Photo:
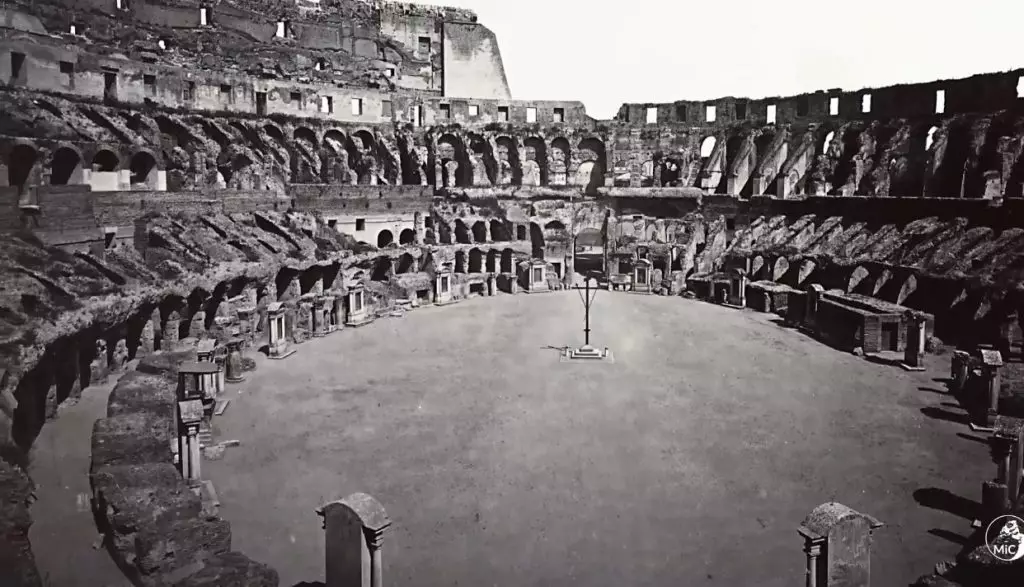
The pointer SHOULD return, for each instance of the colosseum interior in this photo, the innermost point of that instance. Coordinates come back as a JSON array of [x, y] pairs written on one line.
[[255, 253]]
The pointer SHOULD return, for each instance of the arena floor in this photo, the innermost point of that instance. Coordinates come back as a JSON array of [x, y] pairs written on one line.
[[690, 460]]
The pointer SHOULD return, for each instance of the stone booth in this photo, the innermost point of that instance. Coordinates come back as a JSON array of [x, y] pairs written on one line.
[[533, 276], [358, 311], [642, 276], [768, 296], [279, 347], [837, 542], [354, 535], [619, 269], [444, 281], [848, 321]]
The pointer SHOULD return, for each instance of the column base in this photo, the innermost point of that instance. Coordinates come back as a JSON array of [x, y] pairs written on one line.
[[279, 356], [907, 367]]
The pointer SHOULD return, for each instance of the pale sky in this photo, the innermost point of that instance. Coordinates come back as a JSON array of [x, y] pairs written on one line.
[[666, 50]]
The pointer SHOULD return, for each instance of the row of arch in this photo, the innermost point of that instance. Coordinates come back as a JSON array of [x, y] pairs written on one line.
[[473, 261], [67, 166]]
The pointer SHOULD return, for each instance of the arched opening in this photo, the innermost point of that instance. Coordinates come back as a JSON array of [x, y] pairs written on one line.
[[381, 269], [554, 225], [536, 241], [105, 161], [535, 167], [561, 155], [929, 138], [499, 232], [143, 171], [334, 140], [591, 153], [492, 261], [306, 136], [507, 257], [521, 232], [460, 261], [385, 238], [827, 143], [407, 237], [22, 161], [237, 163], [461, 233], [671, 172], [405, 264], [482, 155], [456, 170], [707, 147], [479, 232], [588, 255], [509, 169], [66, 167], [476, 261]]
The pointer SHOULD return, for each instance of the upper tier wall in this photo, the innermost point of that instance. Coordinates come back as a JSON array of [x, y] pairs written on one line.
[[989, 92]]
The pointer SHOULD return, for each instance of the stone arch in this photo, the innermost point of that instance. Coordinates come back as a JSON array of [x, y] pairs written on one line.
[[479, 231], [507, 261], [455, 168], [382, 269], [21, 164], [460, 261], [929, 138], [536, 241], [334, 141], [555, 225], [558, 165], [509, 169], [499, 231], [535, 165], [249, 134], [492, 261], [907, 290], [407, 237], [780, 268], [275, 133], [476, 260], [105, 161], [707, 147], [66, 167], [462, 236], [384, 238], [858, 277], [305, 135], [592, 149], [239, 162], [827, 142], [144, 172], [175, 131], [484, 166], [405, 264]]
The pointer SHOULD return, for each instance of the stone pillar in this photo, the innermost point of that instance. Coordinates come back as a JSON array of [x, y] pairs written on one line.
[[146, 339], [233, 365], [171, 330], [741, 295], [912, 356], [491, 286], [813, 550], [991, 362], [190, 415], [354, 529], [195, 455], [995, 494], [959, 367]]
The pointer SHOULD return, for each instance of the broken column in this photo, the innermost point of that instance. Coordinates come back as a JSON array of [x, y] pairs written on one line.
[[837, 542], [354, 531], [233, 364], [914, 352], [991, 362], [960, 365], [247, 317], [190, 416], [278, 347]]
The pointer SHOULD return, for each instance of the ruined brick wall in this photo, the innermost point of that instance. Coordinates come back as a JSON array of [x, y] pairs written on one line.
[[472, 62]]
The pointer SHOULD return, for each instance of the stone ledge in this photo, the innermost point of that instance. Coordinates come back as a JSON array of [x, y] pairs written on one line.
[[17, 563], [154, 524]]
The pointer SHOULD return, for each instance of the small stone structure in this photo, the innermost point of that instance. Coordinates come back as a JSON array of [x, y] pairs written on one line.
[[533, 276], [358, 312], [837, 542], [642, 276], [354, 534], [279, 347]]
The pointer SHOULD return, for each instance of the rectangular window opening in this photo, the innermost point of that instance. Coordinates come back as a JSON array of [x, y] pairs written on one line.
[[67, 68], [1020, 87], [204, 16], [803, 106], [940, 101], [189, 91], [741, 109], [652, 115], [17, 65], [225, 94], [446, 111], [282, 29], [531, 115], [710, 113], [390, 72], [771, 113], [73, 30], [261, 103], [360, 224], [865, 103], [424, 45], [326, 104], [296, 97], [503, 113], [386, 109], [121, 4], [357, 106], [833, 106], [474, 110], [681, 112], [110, 85], [149, 81]]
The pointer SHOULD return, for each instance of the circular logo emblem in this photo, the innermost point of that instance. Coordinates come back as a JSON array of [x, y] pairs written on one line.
[[1004, 538]]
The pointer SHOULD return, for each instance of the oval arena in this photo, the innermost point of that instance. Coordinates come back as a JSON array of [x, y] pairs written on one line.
[[293, 296]]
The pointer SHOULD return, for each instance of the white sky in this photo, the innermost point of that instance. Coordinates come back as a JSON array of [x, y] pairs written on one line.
[[605, 54]]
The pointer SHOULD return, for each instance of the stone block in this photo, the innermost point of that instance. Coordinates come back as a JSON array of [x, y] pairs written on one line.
[[17, 563], [166, 363], [166, 548], [142, 392], [131, 439], [128, 498], [231, 569]]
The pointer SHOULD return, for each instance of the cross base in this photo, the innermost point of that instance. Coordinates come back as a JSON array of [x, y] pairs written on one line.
[[587, 353]]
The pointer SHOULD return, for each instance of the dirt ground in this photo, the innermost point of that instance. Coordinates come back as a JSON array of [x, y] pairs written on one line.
[[690, 460]]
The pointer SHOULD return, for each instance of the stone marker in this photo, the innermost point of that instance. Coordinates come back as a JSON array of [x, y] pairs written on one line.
[[354, 529], [837, 541]]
